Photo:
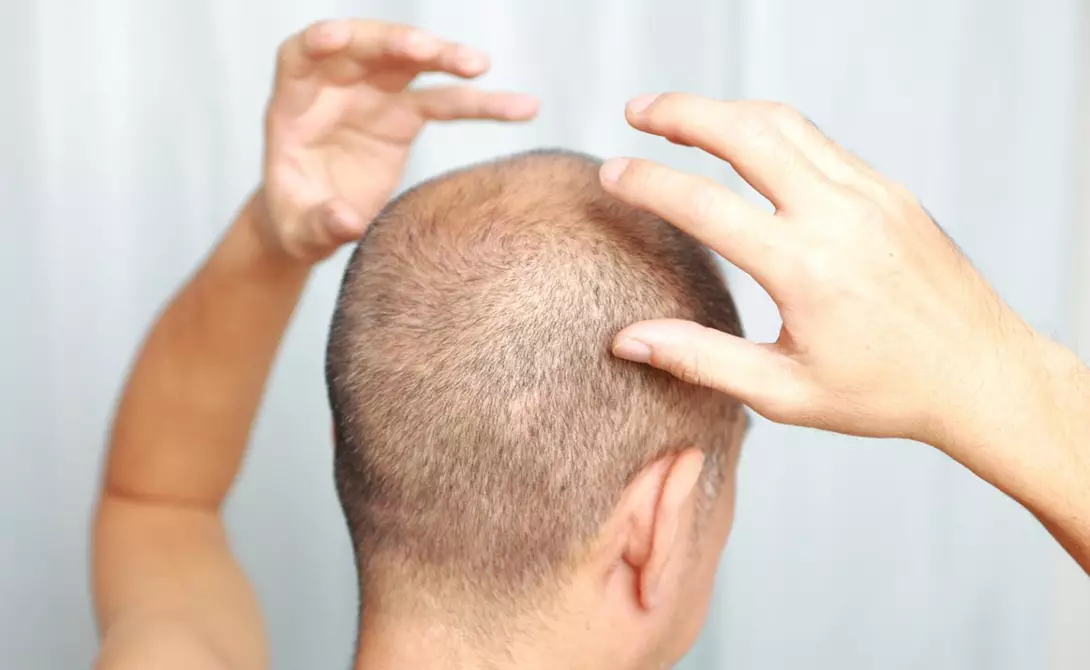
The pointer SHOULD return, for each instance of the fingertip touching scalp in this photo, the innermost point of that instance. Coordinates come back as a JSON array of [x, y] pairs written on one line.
[[484, 431]]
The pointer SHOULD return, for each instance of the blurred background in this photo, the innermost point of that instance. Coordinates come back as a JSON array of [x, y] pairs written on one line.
[[131, 130]]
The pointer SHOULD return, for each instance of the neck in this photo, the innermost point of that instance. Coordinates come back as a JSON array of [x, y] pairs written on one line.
[[425, 644]]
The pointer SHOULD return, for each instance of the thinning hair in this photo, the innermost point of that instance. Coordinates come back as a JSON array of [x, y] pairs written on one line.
[[484, 431]]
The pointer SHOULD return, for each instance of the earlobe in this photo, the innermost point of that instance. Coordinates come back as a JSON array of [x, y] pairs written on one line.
[[678, 485]]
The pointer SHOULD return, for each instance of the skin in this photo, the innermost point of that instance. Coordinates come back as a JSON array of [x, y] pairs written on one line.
[[888, 330], [637, 600], [1012, 406], [168, 591]]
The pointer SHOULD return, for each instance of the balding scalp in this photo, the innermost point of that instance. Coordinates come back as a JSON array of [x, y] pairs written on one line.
[[484, 431]]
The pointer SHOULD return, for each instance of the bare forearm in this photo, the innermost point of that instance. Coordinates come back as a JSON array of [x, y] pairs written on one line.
[[1062, 502], [186, 413], [167, 589], [1029, 435]]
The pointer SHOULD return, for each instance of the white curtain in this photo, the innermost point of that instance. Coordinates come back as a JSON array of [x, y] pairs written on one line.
[[130, 131]]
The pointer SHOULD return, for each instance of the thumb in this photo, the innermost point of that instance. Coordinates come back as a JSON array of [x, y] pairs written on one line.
[[329, 225], [755, 374]]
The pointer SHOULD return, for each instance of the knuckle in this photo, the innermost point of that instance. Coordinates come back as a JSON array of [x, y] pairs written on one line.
[[692, 368], [783, 114], [315, 27], [392, 31], [884, 194], [751, 119], [638, 178], [855, 207], [867, 212], [760, 117], [704, 202], [313, 33], [840, 198], [395, 36]]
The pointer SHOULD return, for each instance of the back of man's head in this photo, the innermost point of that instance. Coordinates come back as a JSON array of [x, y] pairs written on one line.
[[484, 431]]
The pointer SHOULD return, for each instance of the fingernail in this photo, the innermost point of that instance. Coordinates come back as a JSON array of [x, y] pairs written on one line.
[[632, 350], [640, 103], [522, 106], [612, 170]]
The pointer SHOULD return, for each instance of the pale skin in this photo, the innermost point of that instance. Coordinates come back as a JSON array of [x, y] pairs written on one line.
[[843, 243], [888, 330], [168, 592]]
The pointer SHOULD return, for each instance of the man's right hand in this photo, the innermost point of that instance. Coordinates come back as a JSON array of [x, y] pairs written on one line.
[[888, 330]]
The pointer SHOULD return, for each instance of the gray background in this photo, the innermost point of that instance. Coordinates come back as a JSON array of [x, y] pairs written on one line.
[[129, 131]]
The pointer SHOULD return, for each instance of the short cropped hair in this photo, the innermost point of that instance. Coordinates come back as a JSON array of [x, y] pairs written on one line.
[[484, 431]]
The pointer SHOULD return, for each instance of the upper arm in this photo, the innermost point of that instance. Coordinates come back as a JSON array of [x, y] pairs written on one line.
[[161, 644], [168, 591]]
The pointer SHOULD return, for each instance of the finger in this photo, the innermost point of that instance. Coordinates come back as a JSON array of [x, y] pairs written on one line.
[[299, 54], [829, 157], [745, 134], [298, 58], [363, 40], [756, 374], [415, 49], [466, 102], [364, 46], [839, 164], [348, 51], [373, 43], [737, 230]]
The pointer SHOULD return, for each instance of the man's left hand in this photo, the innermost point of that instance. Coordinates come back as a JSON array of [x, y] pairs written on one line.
[[342, 119]]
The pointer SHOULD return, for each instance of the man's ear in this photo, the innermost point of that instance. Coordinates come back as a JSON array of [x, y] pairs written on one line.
[[654, 504]]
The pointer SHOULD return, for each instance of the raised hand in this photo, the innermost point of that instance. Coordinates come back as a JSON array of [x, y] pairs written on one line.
[[342, 120], [888, 330], [886, 325]]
